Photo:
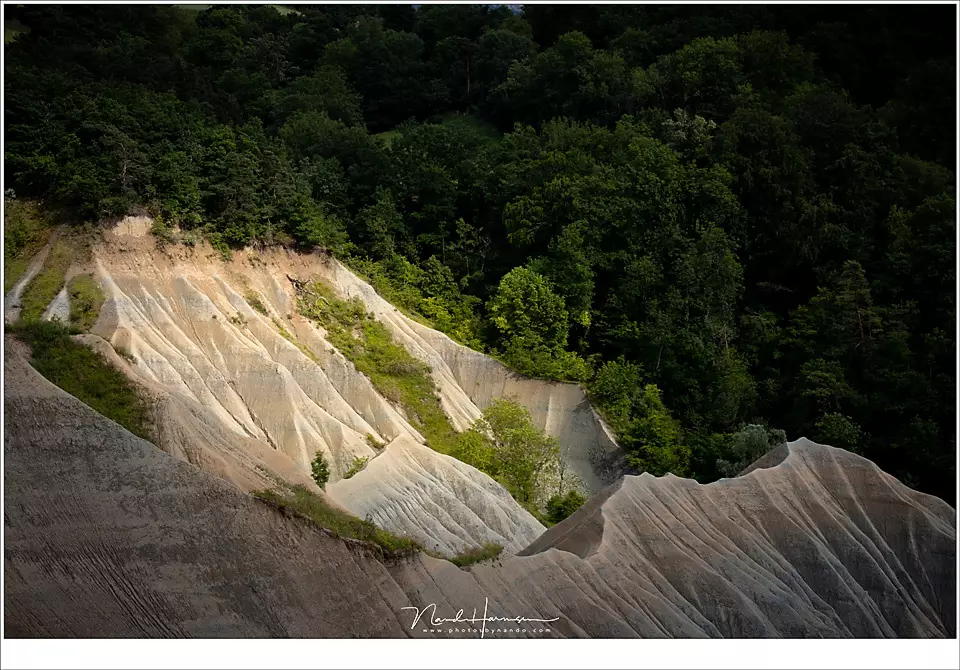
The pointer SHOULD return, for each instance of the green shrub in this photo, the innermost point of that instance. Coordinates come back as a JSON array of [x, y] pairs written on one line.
[[359, 463], [320, 470], [340, 523], [506, 445], [375, 443], [26, 229], [86, 299], [216, 240], [84, 374], [560, 507], [163, 231]]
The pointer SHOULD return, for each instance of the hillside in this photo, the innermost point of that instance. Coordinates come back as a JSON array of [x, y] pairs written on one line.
[[711, 217], [107, 536], [812, 541]]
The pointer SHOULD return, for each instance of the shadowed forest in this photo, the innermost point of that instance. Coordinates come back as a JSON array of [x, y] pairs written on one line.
[[730, 224]]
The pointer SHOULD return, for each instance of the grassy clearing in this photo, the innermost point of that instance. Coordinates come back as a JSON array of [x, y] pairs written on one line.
[[26, 229], [84, 374], [43, 288], [86, 299], [368, 344], [340, 523]]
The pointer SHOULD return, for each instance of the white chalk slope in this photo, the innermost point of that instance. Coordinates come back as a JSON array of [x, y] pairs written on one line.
[[252, 397]]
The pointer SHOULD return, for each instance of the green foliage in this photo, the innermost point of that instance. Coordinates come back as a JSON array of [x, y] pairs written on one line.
[[488, 551], [427, 292], [506, 445], [395, 374], [532, 321], [86, 299], [26, 229], [746, 446], [648, 433], [653, 439], [746, 215], [338, 522], [359, 463], [319, 469], [84, 374], [45, 286], [840, 431], [560, 507]]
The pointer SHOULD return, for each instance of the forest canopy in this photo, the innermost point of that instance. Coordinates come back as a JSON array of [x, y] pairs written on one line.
[[730, 223]]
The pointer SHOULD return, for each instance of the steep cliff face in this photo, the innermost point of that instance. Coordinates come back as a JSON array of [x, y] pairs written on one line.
[[106, 535]]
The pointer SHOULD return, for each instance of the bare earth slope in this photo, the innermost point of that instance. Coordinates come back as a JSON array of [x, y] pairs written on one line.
[[108, 536]]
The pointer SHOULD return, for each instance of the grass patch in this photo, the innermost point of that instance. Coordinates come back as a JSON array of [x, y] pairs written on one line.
[[26, 229], [301, 501], [470, 556], [312, 506], [84, 374], [86, 299], [359, 463], [368, 344], [255, 302], [43, 288]]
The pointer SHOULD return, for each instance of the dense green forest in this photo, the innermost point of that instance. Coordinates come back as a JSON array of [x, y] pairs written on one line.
[[726, 222]]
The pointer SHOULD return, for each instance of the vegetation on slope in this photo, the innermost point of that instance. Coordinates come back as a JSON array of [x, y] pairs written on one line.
[[84, 374], [506, 445], [26, 229], [488, 551], [45, 286], [752, 205], [503, 443], [343, 524], [86, 299], [368, 344], [339, 522]]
